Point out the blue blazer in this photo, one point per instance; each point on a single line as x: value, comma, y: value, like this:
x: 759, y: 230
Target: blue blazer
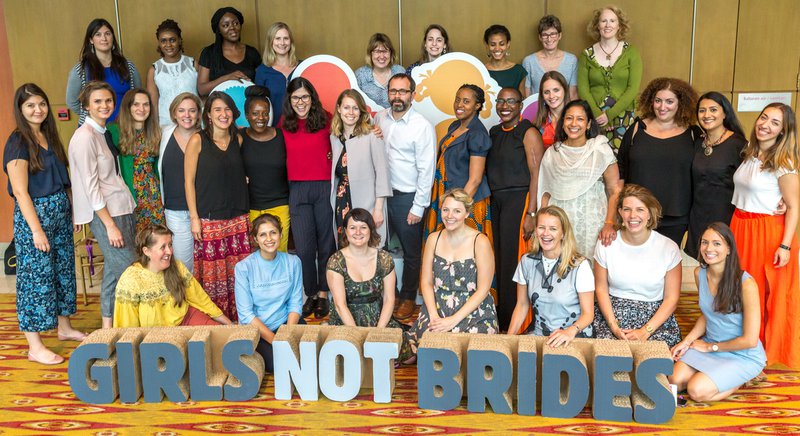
x: 475, y: 142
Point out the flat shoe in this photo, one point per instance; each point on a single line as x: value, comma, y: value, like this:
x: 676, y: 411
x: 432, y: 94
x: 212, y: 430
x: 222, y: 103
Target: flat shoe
x: 323, y: 308
x: 78, y: 336
x: 309, y: 305
x: 55, y: 360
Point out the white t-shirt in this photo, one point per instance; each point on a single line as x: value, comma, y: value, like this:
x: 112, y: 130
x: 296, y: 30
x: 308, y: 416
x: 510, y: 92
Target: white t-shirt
x: 756, y: 190
x: 637, y: 272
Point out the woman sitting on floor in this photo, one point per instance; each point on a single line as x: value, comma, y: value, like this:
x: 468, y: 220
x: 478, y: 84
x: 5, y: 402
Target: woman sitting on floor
x: 158, y: 290
x: 722, y: 352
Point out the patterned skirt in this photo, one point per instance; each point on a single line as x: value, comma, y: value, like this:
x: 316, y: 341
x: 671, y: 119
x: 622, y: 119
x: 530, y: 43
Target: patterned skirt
x: 224, y: 244
x: 45, y: 281
x: 616, y: 127
x: 633, y: 314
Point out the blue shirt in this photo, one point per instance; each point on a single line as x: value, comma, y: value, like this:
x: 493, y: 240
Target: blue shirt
x: 276, y: 82
x: 51, y: 179
x: 378, y: 92
x: 269, y: 289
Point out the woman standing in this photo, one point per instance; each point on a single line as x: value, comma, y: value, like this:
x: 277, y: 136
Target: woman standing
x: 158, y: 291
x: 767, y: 242
x: 269, y: 288
x: 579, y: 174
x: 138, y: 147
x: 280, y: 61
x: 306, y: 130
x: 512, y: 171
x: 216, y: 194
x: 435, y: 43
x: 461, y: 161
x: 722, y: 352
x: 360, y: 176
x: 35, y: 162
x: 101, y: 59
x: 638, y: 276
x: 227, y: 58
x: 552, y: 99
x: 264, y: 157
x: 609, y: 73
x: 457, y: 271
x: 185, y: 115
x: 99, y: 194
x: 173, y: 74
x: 717, y: 155
x: 557, y: 281
x: 658, y: 149
x: 373, y: 78
x: 550, y: 58
x: 506, y: 73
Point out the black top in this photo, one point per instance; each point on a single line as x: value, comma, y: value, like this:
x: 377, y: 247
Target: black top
x: 220, y: 184
x: 172, y: 176
x: 712, y: 182
x: 220, y: 65
x: 51, y: 179
x: 664, y: 166
x: 265, y: 166
x: 506, y: 164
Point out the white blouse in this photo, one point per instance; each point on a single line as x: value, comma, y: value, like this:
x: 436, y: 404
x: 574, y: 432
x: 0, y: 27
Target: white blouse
x: 756, y: 190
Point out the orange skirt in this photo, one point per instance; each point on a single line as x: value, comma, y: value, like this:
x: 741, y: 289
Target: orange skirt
x: 757, y: 238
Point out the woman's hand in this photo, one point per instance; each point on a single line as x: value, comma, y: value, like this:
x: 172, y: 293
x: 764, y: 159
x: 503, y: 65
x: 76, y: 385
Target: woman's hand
x: 445, y: 324
x: 781, y: 257
x: 376, y: 130
x: 40, y: 241
x: 700, y: 345
x: 679, y: 350
x: 377, y: 216
x: 196, y: 229
x: 236, y: 75
x: 115, y: 237
x: 528, y: 225
x: 781, y: 210
x: 602, y: 120
x: 636, y: 334
x: 607, y: 235
x: 562, y: 337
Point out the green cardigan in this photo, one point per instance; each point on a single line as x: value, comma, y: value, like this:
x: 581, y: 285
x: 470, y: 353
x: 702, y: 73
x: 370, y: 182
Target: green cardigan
x: 621, y: 81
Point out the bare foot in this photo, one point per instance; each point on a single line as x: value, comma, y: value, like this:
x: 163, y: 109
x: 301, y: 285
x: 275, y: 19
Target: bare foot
x: 71, y: 335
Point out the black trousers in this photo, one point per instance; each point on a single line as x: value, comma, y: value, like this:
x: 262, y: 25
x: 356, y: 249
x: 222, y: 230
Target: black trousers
x: 410, y: 237
x: 674, y: 227
x: 508, y: 208
x: 264, y: 348
x: 312, y: 229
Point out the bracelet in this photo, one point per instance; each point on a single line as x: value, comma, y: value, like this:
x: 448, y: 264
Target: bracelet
x: 609, y: 222
x: 576, y: 327
x: 531, y: 214
x: 785, y: 247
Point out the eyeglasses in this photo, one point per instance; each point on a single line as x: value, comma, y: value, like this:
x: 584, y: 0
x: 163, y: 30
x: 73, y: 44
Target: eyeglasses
x: 507, y: 101
x: 298, y: 98
x: 549, y: 35
x: 380, y: 51
x: 401, y: 92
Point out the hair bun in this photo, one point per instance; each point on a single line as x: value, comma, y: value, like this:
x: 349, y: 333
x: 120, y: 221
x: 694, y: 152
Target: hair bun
x: 256, y: 91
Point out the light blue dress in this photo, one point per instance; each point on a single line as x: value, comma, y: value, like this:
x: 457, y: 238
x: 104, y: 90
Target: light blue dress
x: 727, y: 369
x: 568, y: 67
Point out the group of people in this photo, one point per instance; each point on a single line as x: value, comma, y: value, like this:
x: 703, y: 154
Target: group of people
x: 569, y: 225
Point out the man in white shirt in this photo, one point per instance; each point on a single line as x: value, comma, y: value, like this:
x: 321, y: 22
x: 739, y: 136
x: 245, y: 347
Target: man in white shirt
x: 411, y: 154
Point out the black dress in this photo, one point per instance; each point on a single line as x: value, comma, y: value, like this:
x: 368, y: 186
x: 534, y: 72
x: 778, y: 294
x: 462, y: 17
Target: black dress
x: 712, y: 187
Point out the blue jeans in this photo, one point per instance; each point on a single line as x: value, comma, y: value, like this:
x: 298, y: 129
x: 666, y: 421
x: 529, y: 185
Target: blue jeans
x: 115, y: 260
x: 183, y: 242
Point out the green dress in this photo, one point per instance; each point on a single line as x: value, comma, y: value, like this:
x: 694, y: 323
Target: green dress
x: 365, y: 299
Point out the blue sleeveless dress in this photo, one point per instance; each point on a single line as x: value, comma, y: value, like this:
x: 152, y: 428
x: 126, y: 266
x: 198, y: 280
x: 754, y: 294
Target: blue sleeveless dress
x: 727, y: 369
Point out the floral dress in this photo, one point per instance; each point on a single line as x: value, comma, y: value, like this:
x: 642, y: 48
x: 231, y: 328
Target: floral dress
x: 342, y: 203
x: 453, y: 284
x: 365, y: 299
x: 149, y: 207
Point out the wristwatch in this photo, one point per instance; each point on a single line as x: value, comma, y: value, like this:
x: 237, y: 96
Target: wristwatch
x: 648, y: 328
x: 714, y: 347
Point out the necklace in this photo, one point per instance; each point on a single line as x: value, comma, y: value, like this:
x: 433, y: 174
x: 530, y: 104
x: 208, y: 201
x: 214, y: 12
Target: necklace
x: 608, y: 54
x: 709, y: 148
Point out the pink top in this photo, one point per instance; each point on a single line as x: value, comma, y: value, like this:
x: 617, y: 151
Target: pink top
x: 95, y: 182
x: 308, y: 155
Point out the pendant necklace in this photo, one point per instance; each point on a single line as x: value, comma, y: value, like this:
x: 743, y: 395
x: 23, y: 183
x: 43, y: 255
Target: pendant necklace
x: 608, y: 54
x: 709, y: 148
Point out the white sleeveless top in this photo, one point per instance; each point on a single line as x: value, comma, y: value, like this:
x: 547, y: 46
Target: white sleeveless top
x: 172, y: 79
x: 756, y: 190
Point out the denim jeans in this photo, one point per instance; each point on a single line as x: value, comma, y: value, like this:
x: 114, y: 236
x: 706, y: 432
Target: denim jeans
x: 182, y: 243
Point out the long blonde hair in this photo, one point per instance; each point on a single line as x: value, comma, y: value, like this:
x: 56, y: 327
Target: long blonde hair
x: 269, y: 53
x: 570, y: 257
x: 127, y: 131
x: 784, y: 153
x: 363, y: 124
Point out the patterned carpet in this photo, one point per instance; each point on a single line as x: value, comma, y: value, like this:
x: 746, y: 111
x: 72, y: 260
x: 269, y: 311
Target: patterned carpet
x: 37, y: 400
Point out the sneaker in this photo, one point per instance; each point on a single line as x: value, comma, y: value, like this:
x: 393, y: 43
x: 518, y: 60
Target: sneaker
x: 309, y: 305
x: 322, y: 308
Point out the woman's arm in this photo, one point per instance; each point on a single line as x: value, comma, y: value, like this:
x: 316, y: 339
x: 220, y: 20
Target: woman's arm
x: 534, y: 151
x: 697, y: 331
x: 672, y: 291
x: 484, y: 260
x: 205, y: 85
x: 604, y: 299
x: 584, y: 87
x: 751, y: 320
x: 152, y: 89
x: 18, y: 177
x: 383, y: 187
x: 613, y: 188
x: 477, y: 165
x: 190, y: 159
x: 627, y: 97
x: 790, y: 190
x: 565, y: 336
x: 73, y: 89
x: 337, y: 288
x: 426, y: 276
x: 521, y: 310
x: 389, y: 283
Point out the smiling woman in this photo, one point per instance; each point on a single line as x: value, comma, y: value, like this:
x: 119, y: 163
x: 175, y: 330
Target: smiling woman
x: 227, y: 58
x: 173, y: 74
x: 373, y: 78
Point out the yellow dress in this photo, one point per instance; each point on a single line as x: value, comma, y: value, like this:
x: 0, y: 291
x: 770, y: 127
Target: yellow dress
x: 142, y: 299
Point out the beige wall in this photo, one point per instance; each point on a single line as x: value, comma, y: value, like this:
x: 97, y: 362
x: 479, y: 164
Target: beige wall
x: 740, y: 45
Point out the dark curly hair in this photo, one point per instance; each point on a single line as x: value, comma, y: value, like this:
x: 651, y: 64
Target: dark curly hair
x: 687, y: 99
x: 480, y: 96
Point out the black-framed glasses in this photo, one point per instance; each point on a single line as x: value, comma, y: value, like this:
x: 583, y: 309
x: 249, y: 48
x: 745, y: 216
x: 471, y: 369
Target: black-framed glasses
x: 298, y: 98
x: 401, y: 92
x: 508, y: 101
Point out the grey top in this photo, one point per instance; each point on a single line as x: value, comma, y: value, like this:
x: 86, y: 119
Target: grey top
x: 568, y: 67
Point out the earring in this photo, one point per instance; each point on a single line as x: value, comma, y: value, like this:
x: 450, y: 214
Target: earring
x: 92, y: 47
